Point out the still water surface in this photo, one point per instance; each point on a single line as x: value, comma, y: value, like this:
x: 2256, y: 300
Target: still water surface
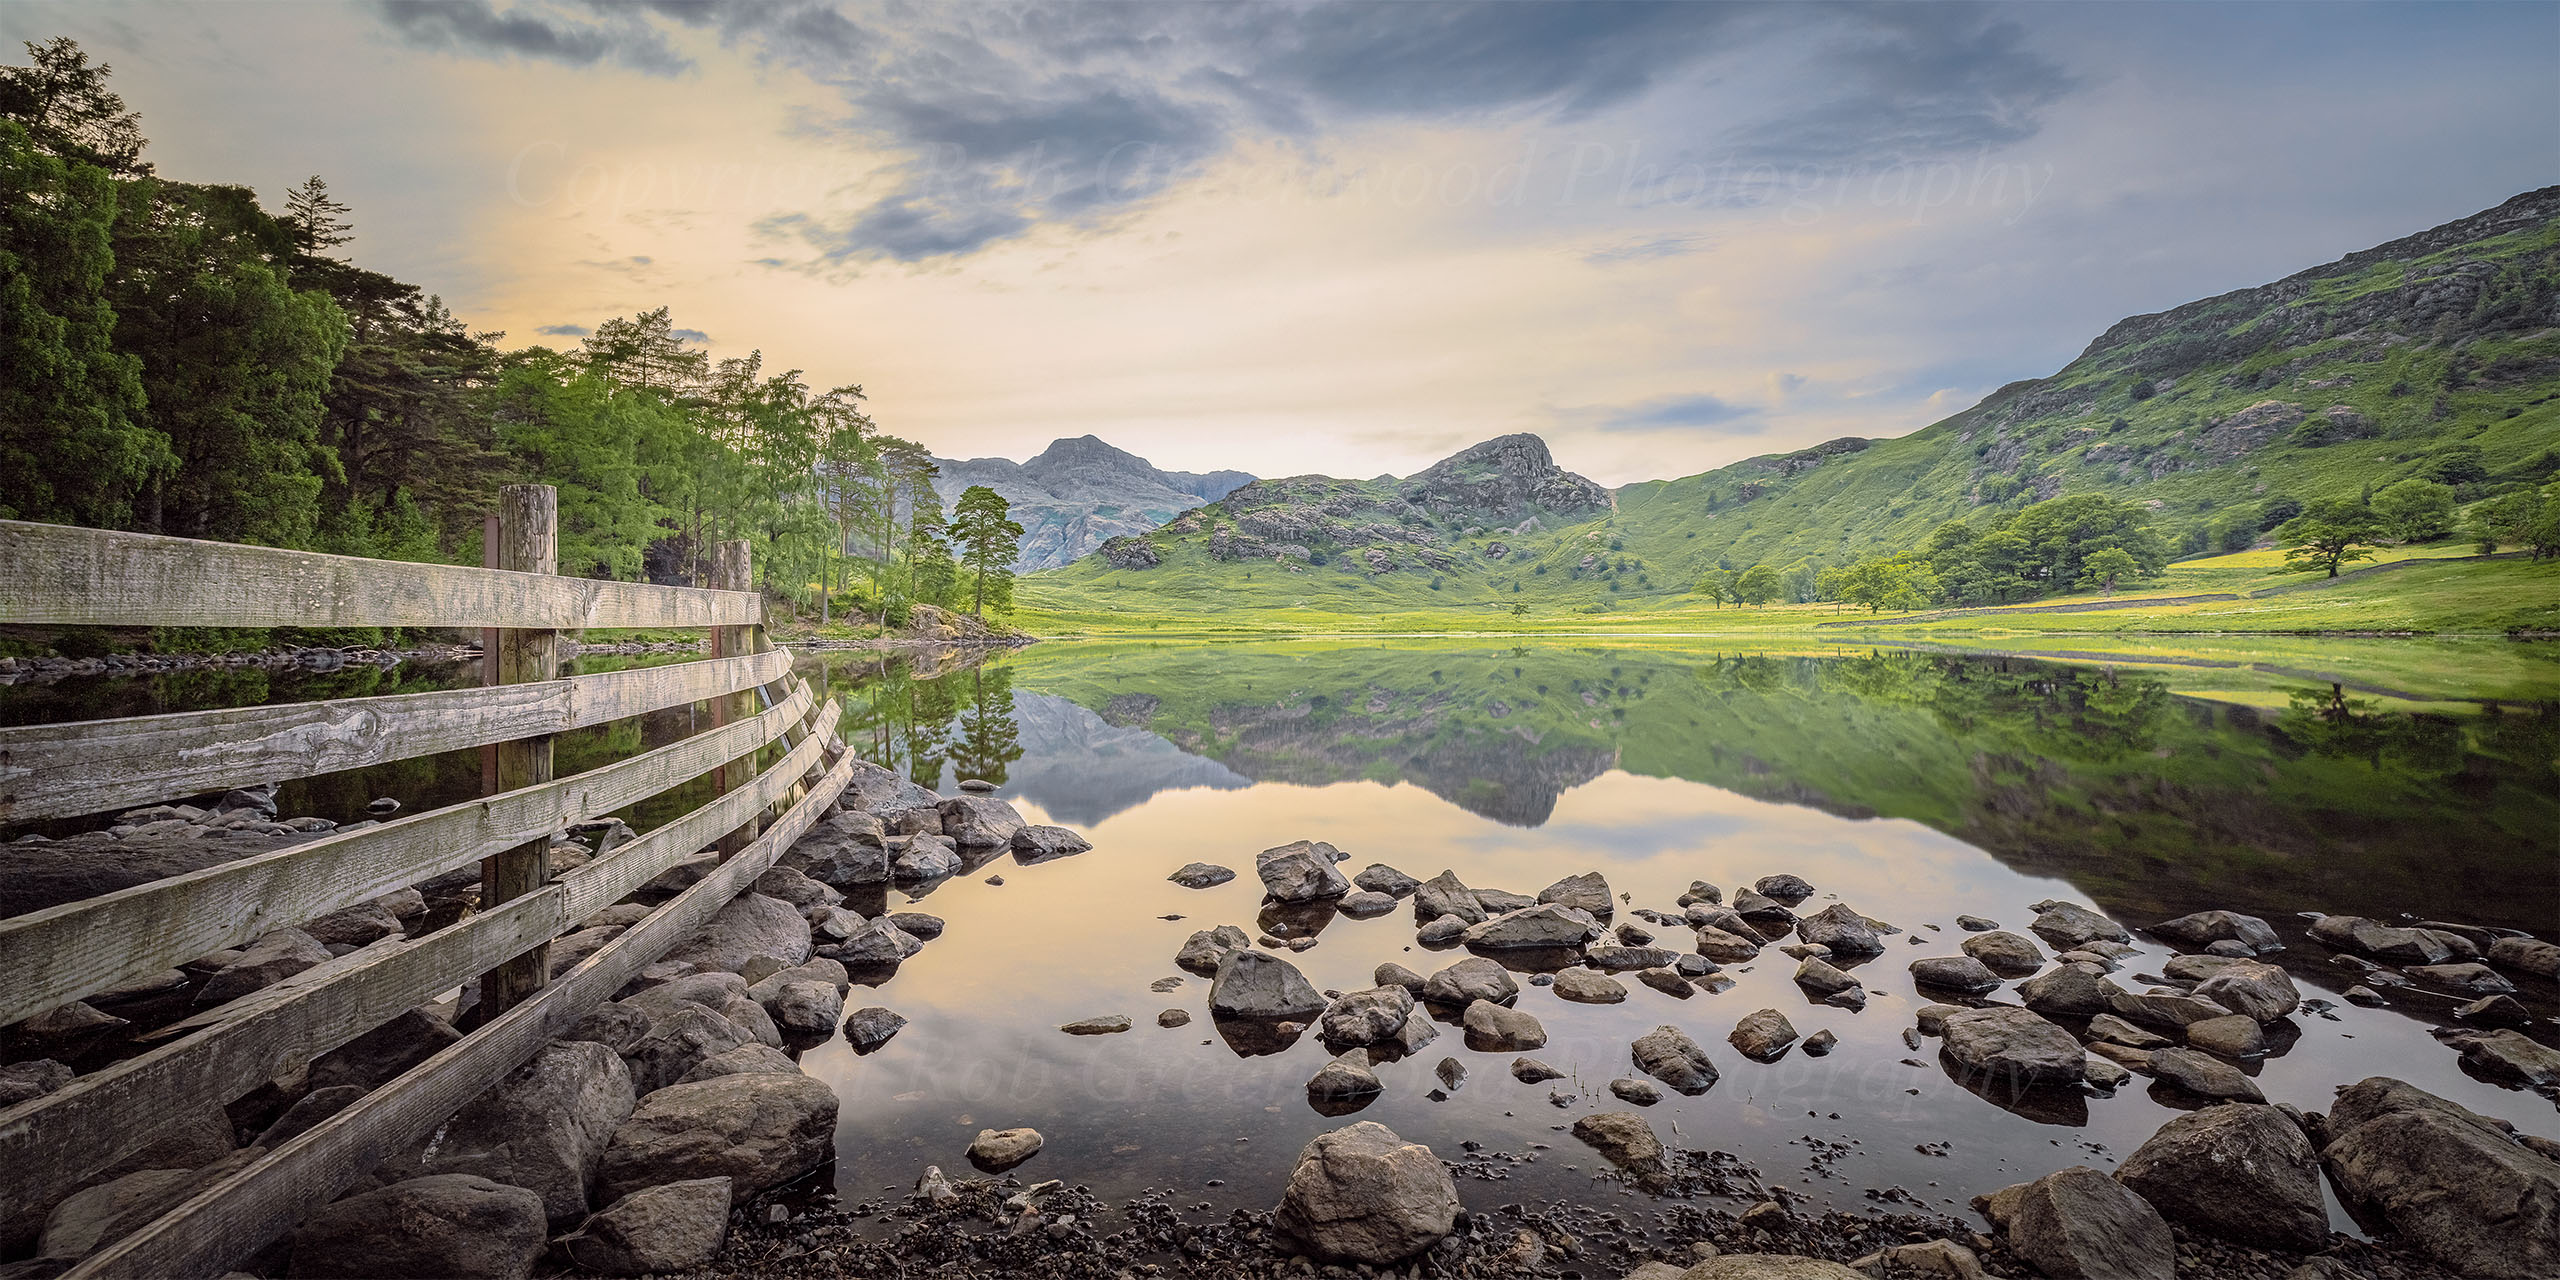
x: 1914, y: 787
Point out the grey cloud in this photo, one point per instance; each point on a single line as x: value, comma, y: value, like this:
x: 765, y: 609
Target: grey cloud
x: 534, y: 31
x: 566, y: 331
x: 689, y: 335
x: 1672, y: 413
x: 1648, y: 248
x: 1908, y: 82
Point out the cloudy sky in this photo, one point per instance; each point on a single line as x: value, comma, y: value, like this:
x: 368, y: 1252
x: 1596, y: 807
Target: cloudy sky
x: 1350, y: 238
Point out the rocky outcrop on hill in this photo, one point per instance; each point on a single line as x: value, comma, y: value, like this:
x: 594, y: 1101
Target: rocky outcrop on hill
x: 1079, y: 493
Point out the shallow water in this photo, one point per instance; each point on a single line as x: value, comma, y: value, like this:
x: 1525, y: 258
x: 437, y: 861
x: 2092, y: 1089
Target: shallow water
x: 1915, y: 787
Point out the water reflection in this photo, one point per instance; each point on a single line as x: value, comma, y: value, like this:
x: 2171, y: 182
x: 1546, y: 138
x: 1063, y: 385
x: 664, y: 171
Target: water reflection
x: 1913, y: 787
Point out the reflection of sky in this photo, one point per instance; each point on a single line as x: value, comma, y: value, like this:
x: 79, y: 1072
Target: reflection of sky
x: 1172, y: 1108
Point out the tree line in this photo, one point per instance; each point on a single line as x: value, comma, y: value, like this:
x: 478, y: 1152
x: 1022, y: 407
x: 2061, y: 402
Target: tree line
x: 175, y: 358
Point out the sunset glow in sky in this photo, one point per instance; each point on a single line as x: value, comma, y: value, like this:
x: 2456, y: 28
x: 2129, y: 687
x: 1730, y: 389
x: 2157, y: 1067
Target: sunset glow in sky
x: 1350, y: 238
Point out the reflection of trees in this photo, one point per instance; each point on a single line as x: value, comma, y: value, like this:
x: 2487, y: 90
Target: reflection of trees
x: 988, y: 738
x: 2069, y: 713
x: 2326, y: 722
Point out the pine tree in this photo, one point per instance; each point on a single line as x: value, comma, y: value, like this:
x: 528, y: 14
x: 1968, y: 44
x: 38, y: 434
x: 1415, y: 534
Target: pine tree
x: 319, y: 222
x: 990, y: 543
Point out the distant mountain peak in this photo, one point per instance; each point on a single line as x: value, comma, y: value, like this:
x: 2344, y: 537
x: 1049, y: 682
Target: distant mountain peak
x: 1079, y: 492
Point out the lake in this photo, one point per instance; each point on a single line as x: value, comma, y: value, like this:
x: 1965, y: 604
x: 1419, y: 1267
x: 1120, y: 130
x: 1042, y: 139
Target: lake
x: 1914, y: 786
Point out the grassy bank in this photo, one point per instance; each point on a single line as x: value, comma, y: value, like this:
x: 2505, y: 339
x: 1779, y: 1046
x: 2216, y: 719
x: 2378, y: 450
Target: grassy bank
x: 2443, y: 589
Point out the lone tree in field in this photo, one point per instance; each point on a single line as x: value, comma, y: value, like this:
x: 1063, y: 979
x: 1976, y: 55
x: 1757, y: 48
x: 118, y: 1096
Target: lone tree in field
x: 989, y: 543
x: 2104, y: 568
x: 2327, y: 534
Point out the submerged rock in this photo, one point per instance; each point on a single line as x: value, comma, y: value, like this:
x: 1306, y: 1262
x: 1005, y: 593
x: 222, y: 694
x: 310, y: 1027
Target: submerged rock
x: 1954, y: 973
x: 2386, y: 942
x: 996, y: 1150
x: 1667, y: 1054
x: 2204, y: 928
x: 1543, y: 925
x: 1201, y: 875
x: 2012, y: 1044
x: 1623, y: 1138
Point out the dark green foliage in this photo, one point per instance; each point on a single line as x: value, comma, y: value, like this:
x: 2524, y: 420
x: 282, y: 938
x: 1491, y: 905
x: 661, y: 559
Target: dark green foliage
x: 989, y: 544
x: 2415, y: 510
x: 2332, y: 532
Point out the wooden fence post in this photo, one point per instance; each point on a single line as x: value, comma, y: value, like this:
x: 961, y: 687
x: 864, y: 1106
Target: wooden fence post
x: 528, y: 542
x: 732, y: 569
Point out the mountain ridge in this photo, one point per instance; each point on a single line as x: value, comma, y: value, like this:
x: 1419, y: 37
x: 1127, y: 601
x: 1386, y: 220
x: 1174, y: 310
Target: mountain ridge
x: 1079, y: 492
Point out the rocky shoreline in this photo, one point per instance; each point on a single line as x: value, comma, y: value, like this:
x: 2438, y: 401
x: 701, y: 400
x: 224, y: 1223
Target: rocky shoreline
x: 674, y: 1131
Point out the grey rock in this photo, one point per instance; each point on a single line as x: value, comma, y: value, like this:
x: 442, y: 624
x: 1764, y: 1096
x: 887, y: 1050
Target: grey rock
x: 2205, y: 928
x: 1497, y: 901
x: 1670, y: 1056
x: 925, y: 857
x: 2080, y: 1224
x: 2162, y: 1009
x: 2471, y: 978
x: 868, y: 1029
x: 1932, y: 1018
x: 980, y: 822
x: 2005, y: 953
x: 676, y: 1042
x: 1040, y: 843
x: 789, y: 884
x: 2373, y: 938
x: 1367, y: 1017
x: 615, y: 1025
x: 1954, y: 973
x: 1620, y: 959
x: 678, y: 1226
x: 806, y: 1011
x: 751, y: 925
x: 1588, y: 986
x: 1446, y: 895
x: 746, y: 1059
x: 1820, y: 1043
x: 453, y: 1226
x: 2104, y: 1073
x: 2445, y: 1179
x: 1446, y: 929
x: 1364, y: 1196
x: 2115, y: 1030
x: 270, y: 959
x: 2014, y: 1045
x: 1392, y: 974
x: 1261, y: 986
x: 1726, y: 948
x: 2527, y: 955
x: 2261, y: 991
x: 1174, y: 1018
x: 1588, y: 893
x: 2509, y: 1056
x: 1107, y: 1025
x: 1701, y: 891
x: 1668, y: 981
x: 2232, y: 1036
x: 20, y: 1081
x: 1493, y: 1028
x: 1763, y: 1035
x: 1361, y: 904
x: 1378, y: 877
x: 1343, y: 1085
x: 1843, y: 931
x: 1201, y: 875
x: 543, y: 1127
x: 1202, y: 951
x: 1469, y: 980
x: 1769, y: 1266
x: 1787, y: 889
x: 1543, y: 925
x: 1532, y: 1071
x: 2489, y: 1011
x: 2244, y: 1173
x: 2203, y: 1076
x: 1623, y: 1138
x: 1751, y: 904
x: 397, y: 1045
x: 1642, y: 1093
x: 2067, y: 926
x: 1301, y: 871
x: 1976, y: 924
x: 996, y: 1150
x: 94, y: 1217
x: 2068, y: 991
x: 2190, y: 970
x: 878, y: 942
x: 758, y: 1130
x: 356, y: 925
x: 1823, y: 978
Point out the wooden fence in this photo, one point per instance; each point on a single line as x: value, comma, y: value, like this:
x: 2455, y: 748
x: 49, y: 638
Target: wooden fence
x: 57, y: 575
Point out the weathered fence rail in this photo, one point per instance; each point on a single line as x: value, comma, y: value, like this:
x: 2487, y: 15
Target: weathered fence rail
x: 773, y: 758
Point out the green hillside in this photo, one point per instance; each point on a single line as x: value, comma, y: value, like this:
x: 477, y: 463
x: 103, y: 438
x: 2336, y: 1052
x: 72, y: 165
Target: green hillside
x: 2435, y: 356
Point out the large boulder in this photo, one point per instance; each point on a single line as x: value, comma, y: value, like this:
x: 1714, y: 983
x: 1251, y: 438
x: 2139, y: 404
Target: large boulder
x: 846, y: 851
x: 1261, y: 986
x: 1667, y: 1054
x: 1469, y: 980
x: 1954, y: 973
x: 447, y: 1226
x: 1843, y: 931
x: 2012, y: 1044
x: 1531, y: 928
x: 1587, y: 893
x: 805, y: 1010
x: 2506, y: 1056
x: 544, y: 1127
x: 2445, y: 1179
x: 94, y: 1217
x: 2204, y: 1076
x: 1763, y: 1035
x: 2080, y: 1224
x: 1301, y: 871
x: 675, y: 1227
x: 676, y: 1042
x: 2245, y: 1173
x: 751, y: 925
x: 980, y: 822
x: 1623, y: 1137
x: 1364, y: 1196
x: 877, y: 942
x: 2204, y: 928
x: 2373, y: 938
x: 758, y: 1130
x: 2262, y: 991
x: 397, y: 1045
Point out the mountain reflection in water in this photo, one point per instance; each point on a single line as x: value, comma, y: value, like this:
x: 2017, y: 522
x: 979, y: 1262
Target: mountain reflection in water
x: 1914, y: 787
